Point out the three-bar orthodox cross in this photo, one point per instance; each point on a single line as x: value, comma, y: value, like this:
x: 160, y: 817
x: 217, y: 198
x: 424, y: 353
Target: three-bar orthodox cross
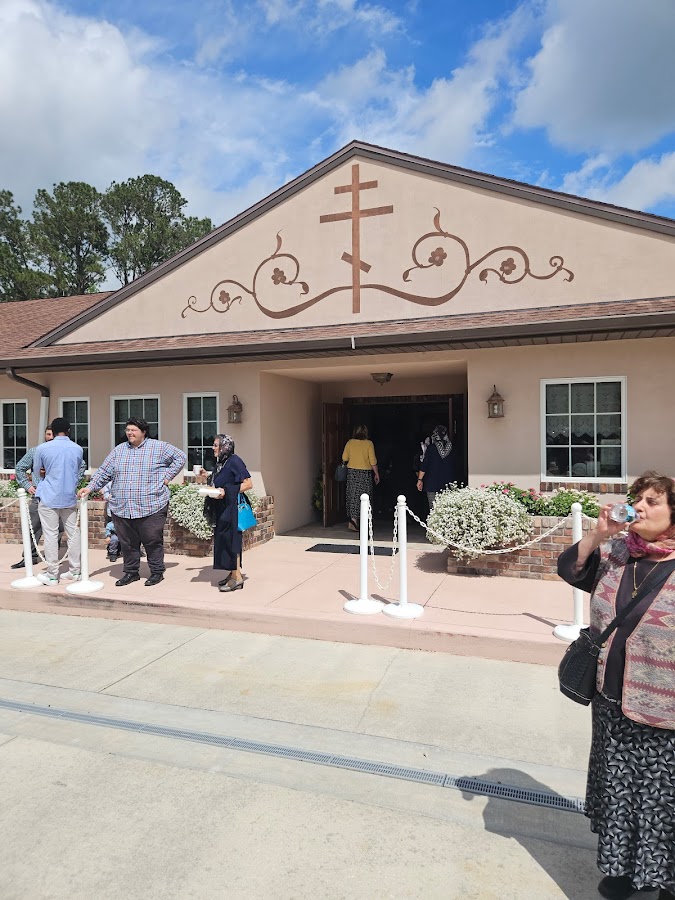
x: 356, y: 214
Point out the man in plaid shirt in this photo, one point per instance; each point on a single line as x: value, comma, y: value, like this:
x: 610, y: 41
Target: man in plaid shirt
x: 138, y: 472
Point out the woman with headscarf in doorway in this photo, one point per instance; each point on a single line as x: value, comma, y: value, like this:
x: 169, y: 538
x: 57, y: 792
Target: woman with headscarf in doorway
x: 231, y: 476
x: 437, y: 466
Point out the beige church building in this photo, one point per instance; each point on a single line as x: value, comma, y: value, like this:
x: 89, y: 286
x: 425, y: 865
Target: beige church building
x: 383, y: 289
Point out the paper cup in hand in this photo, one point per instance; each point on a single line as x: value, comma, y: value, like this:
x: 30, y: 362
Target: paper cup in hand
x: 196, y: 470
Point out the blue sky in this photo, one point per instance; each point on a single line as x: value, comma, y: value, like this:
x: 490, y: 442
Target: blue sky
x: 231, y: 98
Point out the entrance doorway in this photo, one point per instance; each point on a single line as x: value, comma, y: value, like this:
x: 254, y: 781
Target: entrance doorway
x: 397, y: 426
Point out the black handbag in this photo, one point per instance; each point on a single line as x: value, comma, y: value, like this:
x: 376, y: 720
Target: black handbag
x: 341, y: 472
x: 578, y: 668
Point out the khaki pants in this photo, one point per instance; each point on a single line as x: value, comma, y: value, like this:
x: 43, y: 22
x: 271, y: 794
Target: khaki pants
x: 51, y: 519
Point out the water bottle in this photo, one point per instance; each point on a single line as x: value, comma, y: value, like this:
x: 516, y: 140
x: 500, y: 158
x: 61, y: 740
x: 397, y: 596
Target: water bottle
x: 623, y: 513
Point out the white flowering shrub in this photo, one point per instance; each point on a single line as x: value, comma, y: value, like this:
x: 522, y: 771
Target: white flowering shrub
x: 8, y: 487
x: 187, y: 508
x: 478, y: 519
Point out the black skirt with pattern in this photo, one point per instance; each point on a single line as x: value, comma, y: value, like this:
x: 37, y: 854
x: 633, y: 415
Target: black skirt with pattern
x: 359, y: 481
x: 630, y: 797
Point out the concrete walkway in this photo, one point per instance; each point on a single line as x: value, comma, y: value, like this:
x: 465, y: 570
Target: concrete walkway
x: 293, y: 591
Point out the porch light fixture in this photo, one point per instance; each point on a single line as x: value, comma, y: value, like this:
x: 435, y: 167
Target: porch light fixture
x: 234, y: 411
x: 381, y: 377
x: 495, y: 404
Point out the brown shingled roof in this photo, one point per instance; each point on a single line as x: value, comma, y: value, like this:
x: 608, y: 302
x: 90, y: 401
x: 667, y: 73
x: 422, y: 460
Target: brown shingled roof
x: 24, y: 321
x: 588, y: 321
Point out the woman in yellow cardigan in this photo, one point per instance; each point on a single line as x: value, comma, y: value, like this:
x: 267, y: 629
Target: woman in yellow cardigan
x: 359, y: 454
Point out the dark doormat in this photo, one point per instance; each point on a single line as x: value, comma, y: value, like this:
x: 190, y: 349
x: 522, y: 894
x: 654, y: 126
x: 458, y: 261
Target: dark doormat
x: 345, y: 548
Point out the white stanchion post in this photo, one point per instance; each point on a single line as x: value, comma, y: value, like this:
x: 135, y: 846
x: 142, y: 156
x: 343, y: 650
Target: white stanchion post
x: 30, y: 580
x: 365, y: 605
x: 84, y: 585
x: 571, y: 632
x: 403, y: 609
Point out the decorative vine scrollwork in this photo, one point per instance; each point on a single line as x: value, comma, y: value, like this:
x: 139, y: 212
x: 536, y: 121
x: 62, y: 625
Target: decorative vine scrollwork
x: 221, y: 300
x: 428, y: 252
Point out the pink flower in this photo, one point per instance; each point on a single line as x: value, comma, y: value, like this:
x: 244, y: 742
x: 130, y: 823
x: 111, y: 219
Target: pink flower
x: 12, y: 477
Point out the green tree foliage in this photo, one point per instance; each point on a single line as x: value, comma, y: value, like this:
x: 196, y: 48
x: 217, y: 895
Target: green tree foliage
x: 147, y: 225
x: 70, y: 237
x: 19, y: 278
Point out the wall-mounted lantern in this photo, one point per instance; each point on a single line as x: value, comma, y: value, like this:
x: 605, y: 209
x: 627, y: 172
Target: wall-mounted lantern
x: 495, y: 404
x: 234, y: 411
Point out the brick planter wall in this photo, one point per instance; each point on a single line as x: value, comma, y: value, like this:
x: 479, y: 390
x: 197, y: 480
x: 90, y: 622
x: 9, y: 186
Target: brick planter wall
x: 176, y: 538
x: 538, y: 561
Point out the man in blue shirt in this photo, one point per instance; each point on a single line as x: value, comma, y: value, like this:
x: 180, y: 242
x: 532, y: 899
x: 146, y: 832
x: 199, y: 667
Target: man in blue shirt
x: 61, y: 460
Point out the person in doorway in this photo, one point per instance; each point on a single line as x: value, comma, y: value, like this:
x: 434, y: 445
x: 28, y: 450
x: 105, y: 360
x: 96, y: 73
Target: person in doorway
x: 630, y: 791
x: 362, y: 471
x: 139, y: 471
x: 437, y: 470
x: 23, y: 471
x: 231, y: 476
x: 61, y: 460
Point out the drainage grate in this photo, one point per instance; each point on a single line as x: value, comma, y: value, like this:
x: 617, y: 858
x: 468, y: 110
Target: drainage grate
x: 511, y: 792
x: 405, y: 773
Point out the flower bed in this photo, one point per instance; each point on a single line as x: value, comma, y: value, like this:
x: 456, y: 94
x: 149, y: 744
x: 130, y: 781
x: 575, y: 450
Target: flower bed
x: 499, y: 516
x: 177, y: 538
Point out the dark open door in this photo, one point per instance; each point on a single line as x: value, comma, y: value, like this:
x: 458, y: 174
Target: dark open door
x: 334, y: 439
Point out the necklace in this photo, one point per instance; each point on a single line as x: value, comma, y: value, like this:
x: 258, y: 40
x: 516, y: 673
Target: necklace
x: 636, y: 587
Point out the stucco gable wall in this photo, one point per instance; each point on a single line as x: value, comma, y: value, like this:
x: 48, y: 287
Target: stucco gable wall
x: 608, y: 261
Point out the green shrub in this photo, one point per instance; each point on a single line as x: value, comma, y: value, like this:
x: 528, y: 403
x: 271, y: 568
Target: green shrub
x: 560, y: 503
x: 529, y: 498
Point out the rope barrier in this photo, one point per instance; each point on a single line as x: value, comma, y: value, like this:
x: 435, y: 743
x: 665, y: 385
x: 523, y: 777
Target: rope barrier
x: 479, y: 551
x: 394, y: 548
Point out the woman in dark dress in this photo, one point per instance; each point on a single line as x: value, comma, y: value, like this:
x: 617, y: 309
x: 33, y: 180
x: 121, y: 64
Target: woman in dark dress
x: 436, y: 468
x: 231, y: 476
x: 630, y: 794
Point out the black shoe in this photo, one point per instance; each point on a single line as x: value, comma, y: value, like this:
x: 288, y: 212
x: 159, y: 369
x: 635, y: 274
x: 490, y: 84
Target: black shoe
x: 620, y: 887
x: 155, y: 578
x: 113, y: 557
x: 22, y: 563
x: 231, y: 586
x: 127, y: 579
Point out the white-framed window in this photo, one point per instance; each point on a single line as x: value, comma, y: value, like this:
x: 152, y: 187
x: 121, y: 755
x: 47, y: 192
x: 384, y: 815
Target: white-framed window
x: 76, y: 411
x: 200, y: 426
x: 583, y: 429
x: 14, y: 431
x: 123, y: 408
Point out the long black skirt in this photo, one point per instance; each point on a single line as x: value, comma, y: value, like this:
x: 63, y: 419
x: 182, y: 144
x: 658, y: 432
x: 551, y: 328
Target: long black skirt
x: 359, y: 481
x: 630, y: 797
x: 227, y: 545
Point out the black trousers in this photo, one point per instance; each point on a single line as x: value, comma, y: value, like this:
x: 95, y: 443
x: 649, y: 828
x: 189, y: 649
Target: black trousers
x: 148, y: 531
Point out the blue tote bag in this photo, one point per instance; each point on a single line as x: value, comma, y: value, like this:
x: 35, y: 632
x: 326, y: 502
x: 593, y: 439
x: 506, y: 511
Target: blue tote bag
x: 245, y: 516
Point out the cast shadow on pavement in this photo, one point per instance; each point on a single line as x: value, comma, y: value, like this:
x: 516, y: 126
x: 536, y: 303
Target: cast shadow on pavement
x: 116, y: 569
x: 559, y: 841
x: 434, y: 561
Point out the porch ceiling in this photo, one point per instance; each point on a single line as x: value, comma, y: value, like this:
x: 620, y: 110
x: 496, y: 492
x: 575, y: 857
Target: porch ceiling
x: 324, y: 374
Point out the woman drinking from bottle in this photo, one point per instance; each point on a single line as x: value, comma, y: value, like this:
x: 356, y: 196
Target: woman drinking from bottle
x: 630, y: 794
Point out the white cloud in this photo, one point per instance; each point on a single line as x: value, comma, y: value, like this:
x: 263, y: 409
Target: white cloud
x: 76, y: 99
x: 603, y: 77
x: 648, y: 183
x: 445, y: 121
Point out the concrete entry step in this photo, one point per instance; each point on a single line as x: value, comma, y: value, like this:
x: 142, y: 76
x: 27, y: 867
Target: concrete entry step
x: 295, y: 593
